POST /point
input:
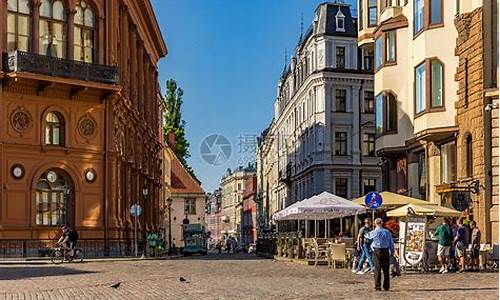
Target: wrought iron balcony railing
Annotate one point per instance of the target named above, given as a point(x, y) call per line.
point(19, 61)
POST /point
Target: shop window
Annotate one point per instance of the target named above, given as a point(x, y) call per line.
point(341, 189)
point(54, 129)
point(84, 33)
point(448, 162)
point(52, 28)
point(18, 25)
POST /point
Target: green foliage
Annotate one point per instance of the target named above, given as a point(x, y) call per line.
point(174, 123)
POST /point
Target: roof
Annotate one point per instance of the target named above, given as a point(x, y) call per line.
point(250, 187)
point(181, 181)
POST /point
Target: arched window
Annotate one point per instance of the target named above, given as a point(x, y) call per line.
point(468, 156)
point(53, 199)
point(18, 25)
point(54, 129)
point(53, 28)
point(84, 36)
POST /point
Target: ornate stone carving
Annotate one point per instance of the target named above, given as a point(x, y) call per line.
point(87, 126)
point(21, 120)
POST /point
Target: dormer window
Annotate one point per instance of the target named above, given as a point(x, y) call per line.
point(340, 18)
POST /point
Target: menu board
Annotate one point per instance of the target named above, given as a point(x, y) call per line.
point(414, 240)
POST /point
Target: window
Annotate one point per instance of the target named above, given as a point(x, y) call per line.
point(436, 84)
point(369, 185)
point(341, 143)
point(422, 174)
point(469, 159)
point(368, 60)
point(361, 15)
point(436, 11)
point(340, 100)
point(18, 25)
point(341, 187)
point(379, 114)
point(54, 129)
point(378, 52)
point(386, 114)
point(340, 57)
point(52, 200)
point(420, 88)
point(390, 46)
point(190, 206)
point(418, 17)
point(84, 33)
point(429, 75)
point(368, 144)
point(369, 102)
point(448, 162)
point(372, 13)
point(340, 21)
point(52, 32)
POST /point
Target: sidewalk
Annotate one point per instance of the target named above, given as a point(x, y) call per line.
point(45, 261)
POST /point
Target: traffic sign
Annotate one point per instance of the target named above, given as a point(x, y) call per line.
point(135, 210)
point(373, 200)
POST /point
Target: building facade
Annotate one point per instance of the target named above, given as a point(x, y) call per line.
point(80, 110)
point(433, 131)
point(249, 212)
point(233, 186)
point(322, 137)
point(186, 196)
point(214, 216)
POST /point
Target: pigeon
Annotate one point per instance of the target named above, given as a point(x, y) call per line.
point(116, 285)
point(182, 279)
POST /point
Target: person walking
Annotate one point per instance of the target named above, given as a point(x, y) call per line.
point(460, 244)
point(383, 249)
point(475, 241)
point(445, 236)
point(364, 248)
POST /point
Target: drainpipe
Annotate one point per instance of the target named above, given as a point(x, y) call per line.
point(487, 168)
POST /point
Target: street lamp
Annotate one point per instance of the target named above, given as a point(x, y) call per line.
point(169, 205)
point(144, 237)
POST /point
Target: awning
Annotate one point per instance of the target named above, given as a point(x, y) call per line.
point(424, 210)
point(393, 200)
point(320, 207)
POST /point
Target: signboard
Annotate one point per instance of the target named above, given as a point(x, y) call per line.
point(414, 244)
point(460, 200)
point(135, 210)
point(373, 200)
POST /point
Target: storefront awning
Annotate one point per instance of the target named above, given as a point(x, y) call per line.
point(424, 210)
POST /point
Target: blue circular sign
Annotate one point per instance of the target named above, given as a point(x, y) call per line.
point(136, 210)
point(373, 200)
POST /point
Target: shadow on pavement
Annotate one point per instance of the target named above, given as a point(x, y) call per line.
point(23, 272)
point(222, 256)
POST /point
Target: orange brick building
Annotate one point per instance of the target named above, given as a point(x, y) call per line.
point(80, 118)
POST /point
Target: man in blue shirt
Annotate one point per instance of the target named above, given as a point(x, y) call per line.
point(383, 249)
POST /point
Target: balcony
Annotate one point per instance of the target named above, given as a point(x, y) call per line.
point(26, 62)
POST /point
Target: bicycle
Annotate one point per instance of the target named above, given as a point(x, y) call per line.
point(60, 254)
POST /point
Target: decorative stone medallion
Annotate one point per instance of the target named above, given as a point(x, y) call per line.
point(21, 120)
point(87, 126)
point(17, 171)
point(90, 175)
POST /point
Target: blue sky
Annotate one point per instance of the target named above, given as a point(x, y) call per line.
point(227, 56)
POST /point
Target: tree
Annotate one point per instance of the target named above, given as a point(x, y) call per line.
point(174, 123)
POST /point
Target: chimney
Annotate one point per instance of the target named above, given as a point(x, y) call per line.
point(171, 140)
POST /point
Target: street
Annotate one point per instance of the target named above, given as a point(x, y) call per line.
point(227, 276)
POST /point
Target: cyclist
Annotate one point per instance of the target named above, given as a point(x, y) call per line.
point(68, 239)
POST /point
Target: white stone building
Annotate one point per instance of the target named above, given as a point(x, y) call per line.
point(322, 137)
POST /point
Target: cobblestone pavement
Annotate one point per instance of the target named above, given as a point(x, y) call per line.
point(227, 277)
